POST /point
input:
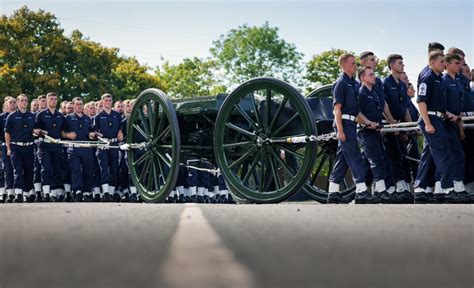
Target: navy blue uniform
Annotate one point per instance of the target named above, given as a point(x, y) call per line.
point(455, 105)
point(50, 154)
point(432, 91)
point(348, 155)
point(7, 164)
point(371, 106)
point(108, 125)
point(414, 151)
point(37, 165)
point(20, 126)
point(397, 100)
point(81, 160)
point(468, 142)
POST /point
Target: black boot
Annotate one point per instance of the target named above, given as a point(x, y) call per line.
point(4, 198)
point(96, 198)
point(10, 198)
point(133, 198)
point(106, 197)
point(68, 197)
point(18, 198)
point(46, 198)
point(364, 198)
point(78, 197)
point(38, 197)
point(116, 197)
point(125, 197)
point(334, 198)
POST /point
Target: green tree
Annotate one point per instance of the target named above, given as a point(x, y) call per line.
point(92, 68)
point(190, 78)
point(129, 78)
point(35, 55)
point(251, 51)
point(324, 68)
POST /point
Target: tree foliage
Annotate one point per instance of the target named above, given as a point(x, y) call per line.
point(251, 51)
point(190, 78)
point(36, 57)
point(324, 68)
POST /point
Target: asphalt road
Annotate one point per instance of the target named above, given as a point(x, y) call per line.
point(284, 245)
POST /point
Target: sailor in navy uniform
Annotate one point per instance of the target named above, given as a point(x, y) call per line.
point(50, 121)
point(9, 194)
point(42, 104)
point(78, 127)
point(371, 108)
point(454, 129)
point(432, 104)
point(397, 99)
point(348, 155)
point(107, 124)
point(19, 128)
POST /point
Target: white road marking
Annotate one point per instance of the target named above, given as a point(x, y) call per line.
point(198, 258)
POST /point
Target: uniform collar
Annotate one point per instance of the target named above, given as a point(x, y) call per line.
point(344, 76)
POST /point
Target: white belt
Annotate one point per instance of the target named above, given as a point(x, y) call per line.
point(469, 113)
point(349, 117)
point(436, 113)
point(23, 143)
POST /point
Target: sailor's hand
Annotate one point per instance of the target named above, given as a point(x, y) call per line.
point(430, 129)
point(341, 136)
point(71, 135)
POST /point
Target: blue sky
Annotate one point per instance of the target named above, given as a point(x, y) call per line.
point(173, 30)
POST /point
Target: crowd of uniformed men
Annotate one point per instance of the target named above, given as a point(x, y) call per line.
point(445, 172)
point(36, 170)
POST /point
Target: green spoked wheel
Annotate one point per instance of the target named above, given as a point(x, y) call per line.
point(153, 121)
point(250, 140)
point(318, 183)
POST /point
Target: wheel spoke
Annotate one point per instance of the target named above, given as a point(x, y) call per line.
point(255, 108)
point(237, 144)
point(262, 173)
point(240, 130)
point(251, 169)
point(290, 151)
point(140, 131)
point(150, 178)
point(286, 124)
point(246, 116)
point(144, 171)
point(243, 158)
point(156, 176)
point(268, 105)
point(144, 121)
point(164, 158)
point(161, 169)
point(163, 133)
point(161, 124)
point(283, 163)
point(145, 156)
point(277, 113)
point(275, 174)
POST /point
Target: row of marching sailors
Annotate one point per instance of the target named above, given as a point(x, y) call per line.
point(360, 107)
point(198, 183)
point(40, 171)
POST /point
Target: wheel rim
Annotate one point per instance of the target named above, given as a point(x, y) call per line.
point(154, 170)
point(246, 127)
